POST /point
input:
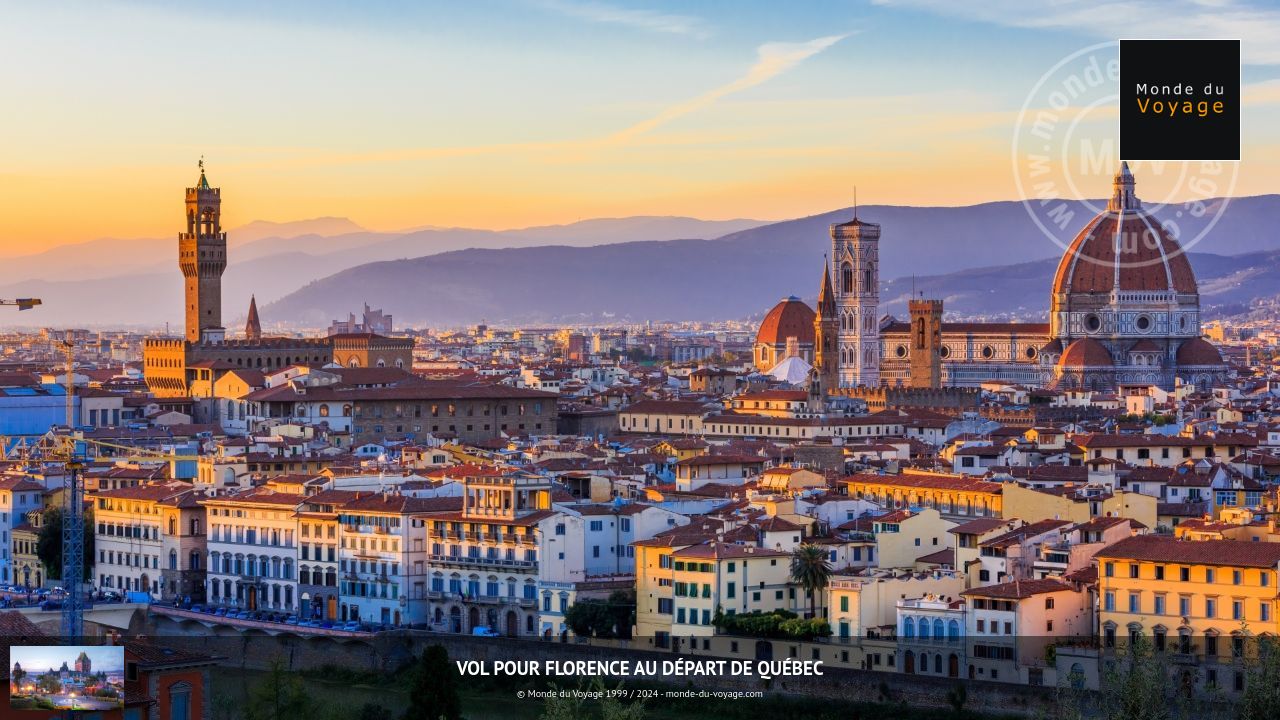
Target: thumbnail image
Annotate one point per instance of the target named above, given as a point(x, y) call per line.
point(66, 677)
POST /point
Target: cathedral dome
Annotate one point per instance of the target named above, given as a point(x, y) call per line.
point(1124, 249)
point(1198, 351)
point(1086, 352)
point(790, 318)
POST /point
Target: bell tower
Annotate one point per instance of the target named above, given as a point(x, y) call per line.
point(855, 255)
point(202, 255)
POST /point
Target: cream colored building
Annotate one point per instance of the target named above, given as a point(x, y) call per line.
point(860, 607)
point(150, 538)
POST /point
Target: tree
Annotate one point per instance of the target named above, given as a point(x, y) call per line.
point(811, 570)
point(1135, 688)
point(434, 692)
point(610, 618)
point(17, 675)
point(49, 544)
point(572, 706)
point(374, 711)
point(1262, 688)
point(280, 696)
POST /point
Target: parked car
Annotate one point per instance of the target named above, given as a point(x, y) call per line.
point(484, 631)
point(351, 626)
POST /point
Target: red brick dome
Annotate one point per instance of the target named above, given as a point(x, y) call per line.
point(1125, 249)
point(1086, 352)
point(789, 318)
point(1198, 351)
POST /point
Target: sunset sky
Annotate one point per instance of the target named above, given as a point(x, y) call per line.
point(510, 113)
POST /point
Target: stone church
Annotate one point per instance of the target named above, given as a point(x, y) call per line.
point(1124, 312)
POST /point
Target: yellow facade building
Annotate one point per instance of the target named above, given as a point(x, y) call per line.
point(955, 497)
point(1200, 599)
point(682, 580)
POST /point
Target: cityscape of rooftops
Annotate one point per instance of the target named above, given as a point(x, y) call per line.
point(563, 359)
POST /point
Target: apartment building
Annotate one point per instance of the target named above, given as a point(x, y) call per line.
point(1010, 627)
point(955, 497)
point(150, 538)
point(318, 531)
point(18, 496)
point(1197, 599)
point(486, 561)
point(253, 550)
point(382, 558)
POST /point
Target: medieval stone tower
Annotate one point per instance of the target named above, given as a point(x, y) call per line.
point(826, 335)
point(202, 255)
point(855, 256)
point(926, 343)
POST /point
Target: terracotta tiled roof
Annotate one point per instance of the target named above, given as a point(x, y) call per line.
point(1018, 589)
point(1198, 351)
point(789, 318)
point(1231, 553)
point(1085, 352)
point(1152, 261)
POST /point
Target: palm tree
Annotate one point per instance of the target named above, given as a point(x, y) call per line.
point(811, 570)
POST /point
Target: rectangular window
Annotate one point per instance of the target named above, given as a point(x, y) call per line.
point(1210, 608)
point(1135, 602)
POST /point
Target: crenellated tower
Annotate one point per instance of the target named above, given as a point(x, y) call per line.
point(202, 255)
point(855, 257)
point(926, 343)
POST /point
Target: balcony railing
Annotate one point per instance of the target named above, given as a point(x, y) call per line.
point(482, 561)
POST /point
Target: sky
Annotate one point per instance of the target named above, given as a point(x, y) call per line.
point(41, 658)
point(512, 113)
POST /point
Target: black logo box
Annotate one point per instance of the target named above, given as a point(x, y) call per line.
point(1187, 69)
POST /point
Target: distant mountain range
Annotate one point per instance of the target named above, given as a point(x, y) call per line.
point(983, 259)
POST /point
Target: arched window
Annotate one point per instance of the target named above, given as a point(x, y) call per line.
point(180, 701)
point(924, 629)
point(324, 410)
point(919, 333)
point(846, 278)
point(908, 628)
point(173, 559)
point(953, 631)
point(937, 629)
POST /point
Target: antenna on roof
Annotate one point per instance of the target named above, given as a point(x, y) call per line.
point(855, 202)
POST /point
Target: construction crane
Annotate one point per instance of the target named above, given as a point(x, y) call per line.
point(23, 303)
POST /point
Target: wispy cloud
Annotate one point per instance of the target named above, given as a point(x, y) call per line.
point(650, 20)
point(1256, 26)
point(772, 59)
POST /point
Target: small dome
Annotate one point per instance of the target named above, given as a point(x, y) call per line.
point(1198, 351)
point(1053, 347)
point(1086, 352)
point(789, 318)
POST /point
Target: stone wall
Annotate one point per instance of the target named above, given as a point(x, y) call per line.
point(390, 652)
